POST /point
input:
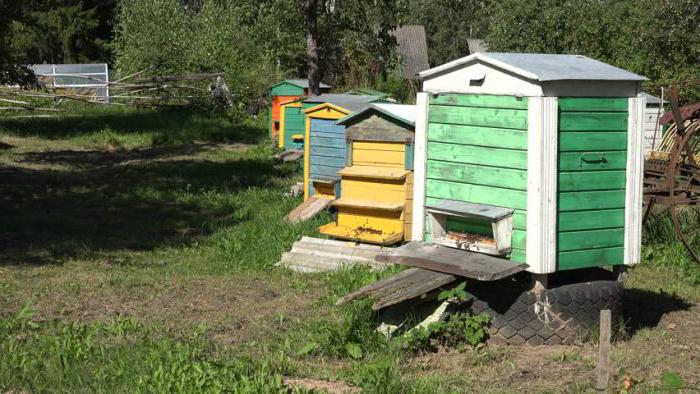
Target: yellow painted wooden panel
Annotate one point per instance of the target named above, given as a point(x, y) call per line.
point(280, 140)
point(373, 172)
point(384, 221)
point(354, 234)
point(391, 146)
point(345, 202)
point(325, 111)
point(408, 207)
point(369, 157)
point(380, 191)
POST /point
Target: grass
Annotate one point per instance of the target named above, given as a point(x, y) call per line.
point(137, 253)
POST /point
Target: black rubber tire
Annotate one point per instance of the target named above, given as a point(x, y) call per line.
point(565, 313)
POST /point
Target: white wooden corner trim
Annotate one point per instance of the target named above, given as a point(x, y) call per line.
point(541, 247)
point(419, 159)
point(633, 183)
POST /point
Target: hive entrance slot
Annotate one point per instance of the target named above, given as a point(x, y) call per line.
point(474, 227)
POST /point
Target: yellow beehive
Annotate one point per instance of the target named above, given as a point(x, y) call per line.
point(376, 203)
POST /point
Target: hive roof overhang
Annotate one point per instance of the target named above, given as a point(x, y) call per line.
point(541, 67)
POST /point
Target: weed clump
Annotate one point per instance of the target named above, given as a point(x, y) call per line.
point(460, 330)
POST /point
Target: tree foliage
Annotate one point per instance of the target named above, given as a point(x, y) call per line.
point(257, 42)
point(61, 31)
point(448, 24)
point(657, 39)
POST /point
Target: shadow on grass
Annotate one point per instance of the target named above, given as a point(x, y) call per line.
point(644, 308)
point(101, 158)
point(50, 216)
point(165, 127)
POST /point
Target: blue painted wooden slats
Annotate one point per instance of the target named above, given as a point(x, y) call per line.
point(326, 149)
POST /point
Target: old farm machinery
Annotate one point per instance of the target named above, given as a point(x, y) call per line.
point(672, 173)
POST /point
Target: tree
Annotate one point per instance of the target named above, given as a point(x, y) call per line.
point(311, 22)
point(350, 41)
point(10, 71)
point(62, 31)
point(657, 39)
point(448, 24)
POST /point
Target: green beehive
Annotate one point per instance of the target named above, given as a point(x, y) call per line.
point(535, 158)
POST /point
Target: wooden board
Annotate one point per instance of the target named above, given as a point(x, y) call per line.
point(476, 174)
point(481, 155)
point(452, 261)
point(591, 220)
point(474, 116)
point(591, 180)
point(476, 193)
point(593, 104)
point(595, 141)
point(308, 209)
point(480, 136)
point(405, 285)
point(368, 204)
point(356, 234)
point(576, 161)
point(477, 100)
point(373, 172)
point(592, 121)
point(471, 210)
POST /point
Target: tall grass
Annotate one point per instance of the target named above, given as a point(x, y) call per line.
point(663, 247)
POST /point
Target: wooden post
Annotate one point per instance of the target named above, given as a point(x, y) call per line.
point(603, 369)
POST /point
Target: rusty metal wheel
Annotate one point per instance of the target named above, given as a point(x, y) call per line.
point(684, 189)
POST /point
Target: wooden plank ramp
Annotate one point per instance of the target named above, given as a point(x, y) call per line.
point(318, 255)
point(308, 209)
point(408, 284)
point(433, 267)
point(452, 261)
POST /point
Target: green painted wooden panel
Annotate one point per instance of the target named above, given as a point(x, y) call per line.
point(519, 240)
point(517, 255)
point(481, 175)
point(476, 194)
point(591, 180)
point(592, 121)
point(472, 226)
point(477, 152)
point(591, 200)
point(593, 104)
point(286, 89)
point(590, 239)
point(409, 153)
point(590, 258)
point(477, 155)
point(520, 219)
point(581, 201)
point(588, 161)
point(596, 141)
point(590, 220)
point(471, 116)
point(476, 100)
point(293, 124)
point(482, 136)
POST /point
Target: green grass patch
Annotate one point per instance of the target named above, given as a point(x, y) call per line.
point(126, 127)
point(119, 356)
point(662, 246)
